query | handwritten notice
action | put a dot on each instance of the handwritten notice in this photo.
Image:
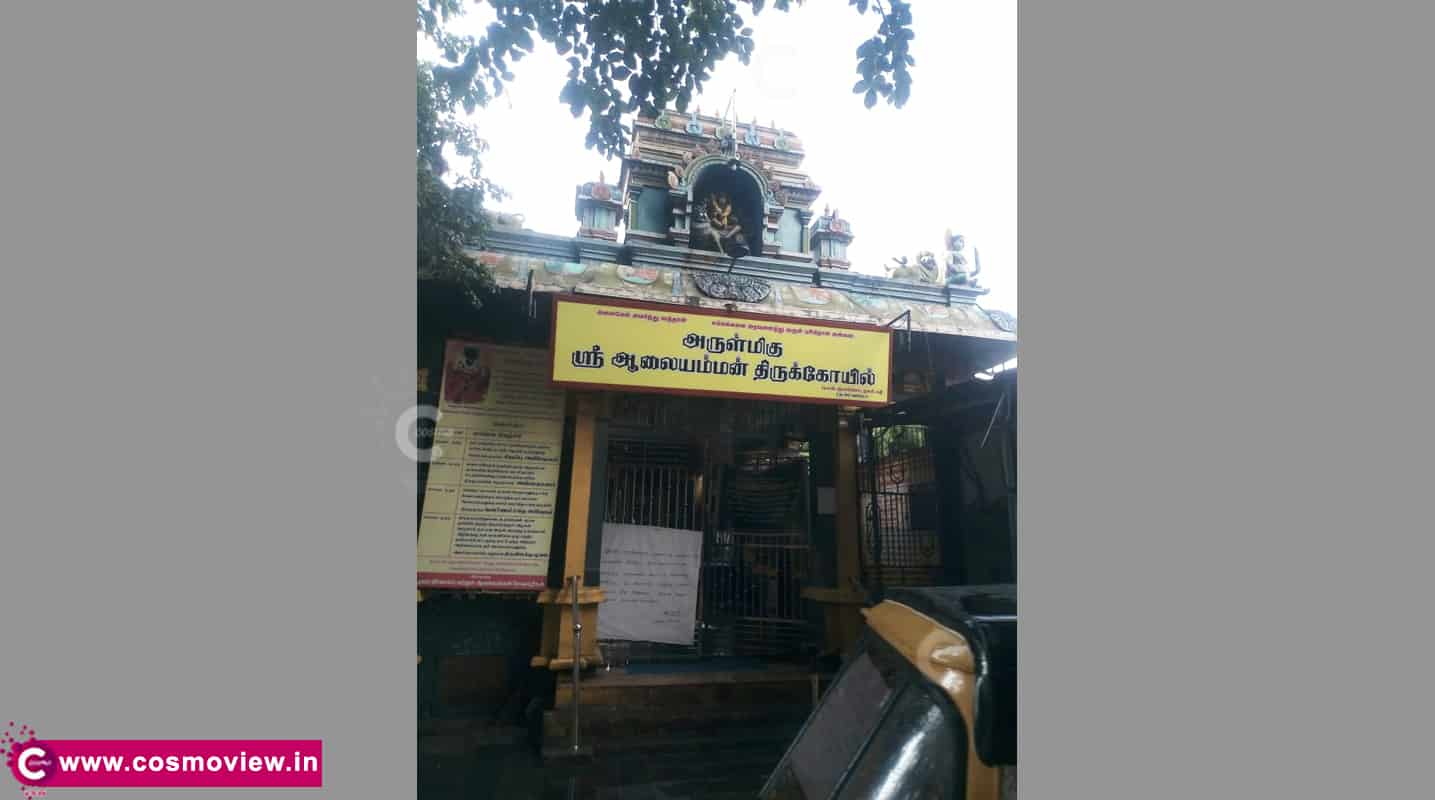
(493, 480)
(650, 579)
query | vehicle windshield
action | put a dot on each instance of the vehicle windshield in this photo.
(910, 745)
(911, 756)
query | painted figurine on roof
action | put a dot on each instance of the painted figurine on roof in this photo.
(957, 274)
(923, 271)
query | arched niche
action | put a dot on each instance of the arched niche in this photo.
(743, 185)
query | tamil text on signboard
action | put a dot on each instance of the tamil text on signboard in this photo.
(612, 345)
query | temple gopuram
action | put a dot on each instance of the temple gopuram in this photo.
(695, 430)
(682, 170)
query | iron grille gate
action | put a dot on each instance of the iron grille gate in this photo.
(653, 482)
(757, 559)
(901, 507)
(723, 468)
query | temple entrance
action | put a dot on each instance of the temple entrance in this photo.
(937, 489)
(739, 472)
(901, 507)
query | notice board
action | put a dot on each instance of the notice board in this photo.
(650, 584)
(493, 477)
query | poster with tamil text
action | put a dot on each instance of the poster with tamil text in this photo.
(493, 476)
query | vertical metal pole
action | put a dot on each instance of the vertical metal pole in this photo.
(874, 450)
(645, 493)
(1009, 477)
(577, 657)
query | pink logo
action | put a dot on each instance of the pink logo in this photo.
(159, 763)
(30, 760)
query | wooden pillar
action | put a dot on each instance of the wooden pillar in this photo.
(842, 603)
(849, 513)
(556, 647)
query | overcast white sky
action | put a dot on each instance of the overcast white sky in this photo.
(900, 176)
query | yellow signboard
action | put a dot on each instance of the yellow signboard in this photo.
(606, 344)
(493, 476)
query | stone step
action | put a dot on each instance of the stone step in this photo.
(686, 731)
(685, 766)
(693, 688)
(733, 763)
(656, 723)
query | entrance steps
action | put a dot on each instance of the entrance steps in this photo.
(710, 730)
(645, 706)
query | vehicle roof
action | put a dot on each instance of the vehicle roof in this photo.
(986, 617)
(960, 605)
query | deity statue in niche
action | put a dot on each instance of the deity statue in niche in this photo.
(717, 224)
(719, 208)
(727, 206)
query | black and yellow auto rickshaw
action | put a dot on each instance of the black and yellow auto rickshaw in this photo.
(925, 707)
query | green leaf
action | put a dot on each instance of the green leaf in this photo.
(623, 61)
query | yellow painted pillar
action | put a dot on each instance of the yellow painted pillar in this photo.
(849, 533)
(556, 646)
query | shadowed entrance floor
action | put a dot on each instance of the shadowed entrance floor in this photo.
(473, 761)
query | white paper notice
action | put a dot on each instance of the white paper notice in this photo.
(650, 584)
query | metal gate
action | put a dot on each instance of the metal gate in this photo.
(728, 469)
(901, 507)
(653, 481)
(757, 558)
